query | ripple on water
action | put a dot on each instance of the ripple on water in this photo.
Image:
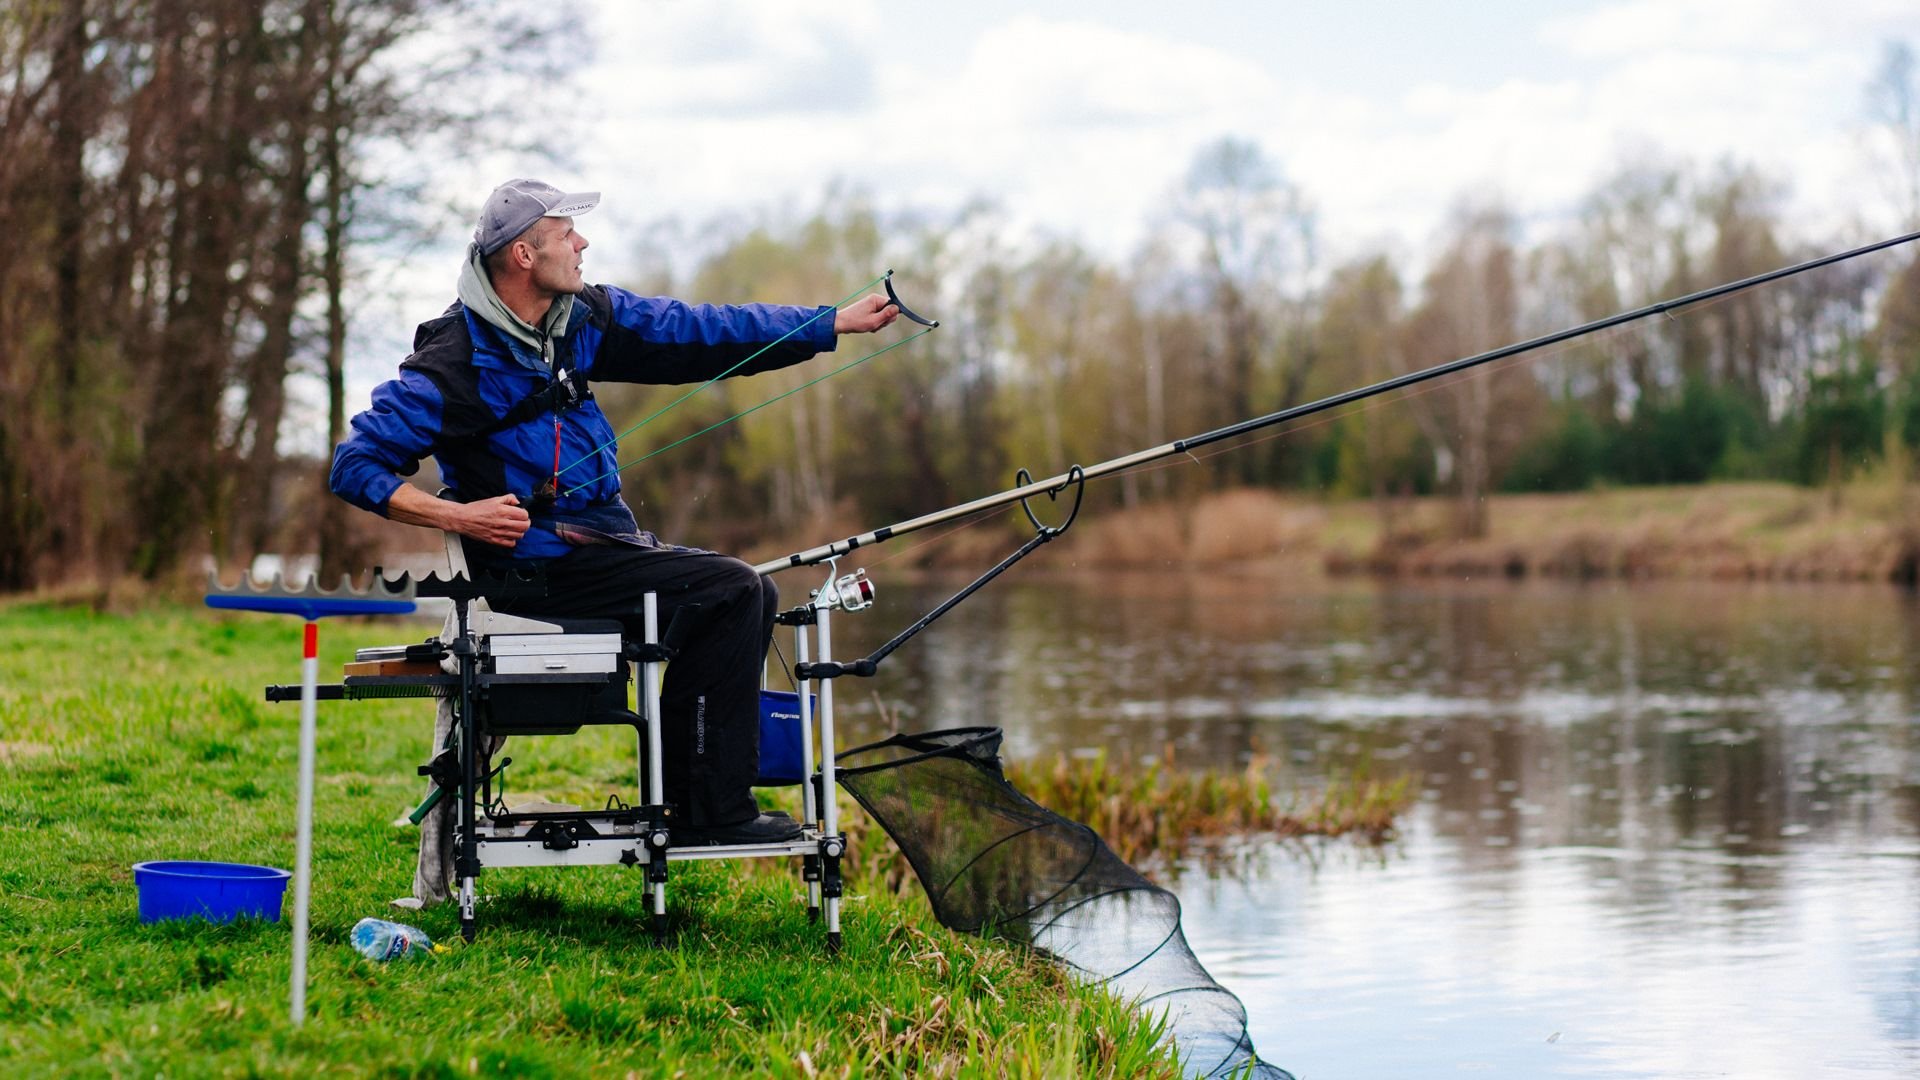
(1709, 858)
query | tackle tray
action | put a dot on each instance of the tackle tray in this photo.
(536, 654)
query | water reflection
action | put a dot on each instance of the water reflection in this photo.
(1663, 831)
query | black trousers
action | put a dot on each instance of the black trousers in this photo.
(710, 701)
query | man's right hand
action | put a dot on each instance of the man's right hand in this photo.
(499, 521)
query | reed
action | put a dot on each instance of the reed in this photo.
(1162, 810)
(1724, 531)
(1158, 812)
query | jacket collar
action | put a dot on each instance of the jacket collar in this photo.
(525, 345)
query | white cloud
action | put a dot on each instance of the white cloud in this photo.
(1783, 27)
(1076, 126)
(1773, 84)
(718, 60)
(1046, 74)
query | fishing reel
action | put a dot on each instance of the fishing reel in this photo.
(849, 592)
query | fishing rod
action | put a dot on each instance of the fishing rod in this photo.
(1053, 485)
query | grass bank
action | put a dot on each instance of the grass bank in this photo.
(132, 737)
(1864, 531)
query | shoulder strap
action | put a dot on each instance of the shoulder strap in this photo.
(560, 394)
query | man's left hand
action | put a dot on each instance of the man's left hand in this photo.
(865, 315)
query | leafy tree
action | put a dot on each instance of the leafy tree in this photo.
(1842, 426)
(1569, 455)
(1683, 438)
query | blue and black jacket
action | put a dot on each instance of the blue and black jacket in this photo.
(457, 394)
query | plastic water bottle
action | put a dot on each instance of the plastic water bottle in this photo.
(379, 940)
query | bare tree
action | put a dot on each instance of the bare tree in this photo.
(168, 165)
(1471, 303)
(1255, 237)
(1630, 249)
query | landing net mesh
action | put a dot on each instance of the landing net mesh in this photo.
(994, 861)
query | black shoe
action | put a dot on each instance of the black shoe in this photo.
(765, 829)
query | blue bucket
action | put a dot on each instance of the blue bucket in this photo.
(217, 891)
(781, 739)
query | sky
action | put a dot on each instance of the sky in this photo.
(1080, 119)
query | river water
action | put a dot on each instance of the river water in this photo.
(1663, 830)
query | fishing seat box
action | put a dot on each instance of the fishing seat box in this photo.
(591, 648)
(576, 678)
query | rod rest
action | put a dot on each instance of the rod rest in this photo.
(804, 615)
(279, 692)
(641, 652)
(519, 583)
(429, 651)
(679, 628)
(866, 667)
(833, 669)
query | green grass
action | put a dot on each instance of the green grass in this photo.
(128, 738)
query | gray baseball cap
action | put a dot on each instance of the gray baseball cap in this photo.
(515, 205)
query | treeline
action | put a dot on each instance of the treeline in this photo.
(1055, 356)
(182, 185)
(187, 189)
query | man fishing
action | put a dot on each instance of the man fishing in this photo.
(498, 391)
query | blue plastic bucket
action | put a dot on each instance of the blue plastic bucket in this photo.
(780, 739)
(217, 891)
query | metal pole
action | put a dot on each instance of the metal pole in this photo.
(1181, 446)
(467, 858)
(650, 675)
(656, 783)
(303, 821)
(808, 811)
(830, 809)
(829, 815)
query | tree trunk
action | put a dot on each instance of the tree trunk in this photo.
(267, 371)
(1474, 458)
(68, 188)
(1156, 407)
(184, 493)
(338, 554)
